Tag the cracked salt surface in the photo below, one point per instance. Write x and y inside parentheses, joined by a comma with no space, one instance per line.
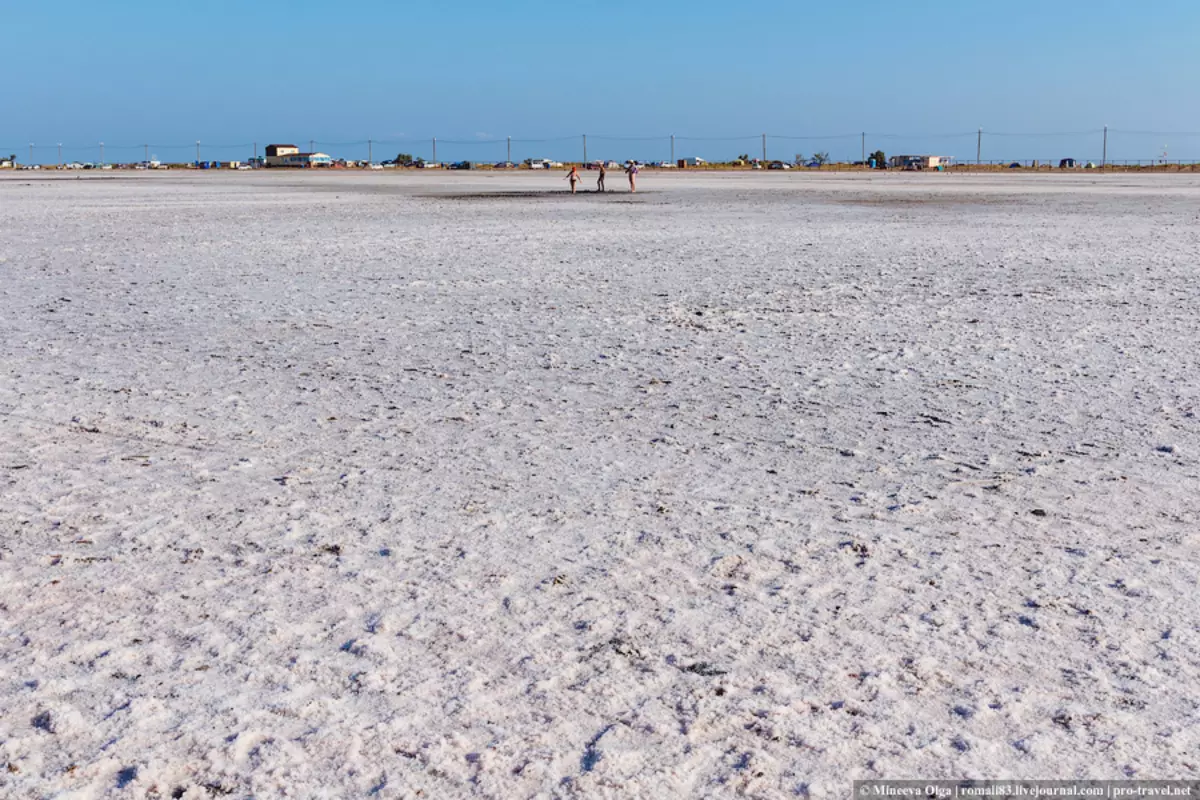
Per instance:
(750,486)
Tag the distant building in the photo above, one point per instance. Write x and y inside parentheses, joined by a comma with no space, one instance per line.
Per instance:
(919,162)
(288,155)
(278,150)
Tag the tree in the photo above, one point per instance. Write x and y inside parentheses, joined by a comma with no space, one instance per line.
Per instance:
(404,158)
(744,157)
(799,159)
(879,158)
(821,158)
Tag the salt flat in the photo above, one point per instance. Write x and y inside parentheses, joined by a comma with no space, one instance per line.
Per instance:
(347,485)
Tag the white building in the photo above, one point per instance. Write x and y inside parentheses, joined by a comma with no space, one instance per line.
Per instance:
(919,162)
(288,155)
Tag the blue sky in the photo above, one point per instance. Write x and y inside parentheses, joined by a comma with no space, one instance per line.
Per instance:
(129,72)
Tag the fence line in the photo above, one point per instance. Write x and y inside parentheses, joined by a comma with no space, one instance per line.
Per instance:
(855,147)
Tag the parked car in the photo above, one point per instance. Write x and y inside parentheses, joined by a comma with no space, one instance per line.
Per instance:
(1067,163)
(778,165)
(1015,165)
(461,165)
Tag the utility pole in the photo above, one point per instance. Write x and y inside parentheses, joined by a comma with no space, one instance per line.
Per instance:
(102,154)
(508,160)
(672,148)
(1104,158)
(197,151)
(312,146)
(31,154)
(978,146)
(60,154)
(585,148)
(370,152)
(435,149)
(256,151)
(764,147)
(146,147)
(864,147)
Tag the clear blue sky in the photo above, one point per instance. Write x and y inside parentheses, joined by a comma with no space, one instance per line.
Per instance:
(224,72)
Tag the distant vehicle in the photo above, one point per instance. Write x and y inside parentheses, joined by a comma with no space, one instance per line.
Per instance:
(374,166)
(1015,165)
(1067,163)
(779,165)
(244,166)
(756,165)
(461,165)
(813,165)
(504,165)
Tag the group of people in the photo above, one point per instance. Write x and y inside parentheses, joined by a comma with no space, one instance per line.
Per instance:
(631,169)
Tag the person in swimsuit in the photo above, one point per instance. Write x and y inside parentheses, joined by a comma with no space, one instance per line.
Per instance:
(573,177)
(632,171)
(600,180)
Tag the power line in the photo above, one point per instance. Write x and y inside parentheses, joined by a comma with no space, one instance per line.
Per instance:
(922,135)
(546,141)
(662,138)
(1057,133)
(751,137)
(1154,133)
(830,136)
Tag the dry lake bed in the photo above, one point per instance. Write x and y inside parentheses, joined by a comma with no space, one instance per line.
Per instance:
(747,485)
